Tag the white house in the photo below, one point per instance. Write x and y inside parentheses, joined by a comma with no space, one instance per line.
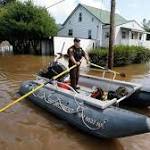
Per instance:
(92,23)
(128,33)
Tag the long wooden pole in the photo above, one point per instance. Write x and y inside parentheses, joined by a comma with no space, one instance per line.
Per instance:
(34,90)
(112,35)
(109,70)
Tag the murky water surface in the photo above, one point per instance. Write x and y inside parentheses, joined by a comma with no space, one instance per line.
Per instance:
(26,126)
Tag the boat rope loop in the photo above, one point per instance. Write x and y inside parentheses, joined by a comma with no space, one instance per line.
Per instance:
(56,101)
(52,99)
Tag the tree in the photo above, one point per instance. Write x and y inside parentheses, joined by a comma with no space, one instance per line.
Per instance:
(146,25)
(25,25)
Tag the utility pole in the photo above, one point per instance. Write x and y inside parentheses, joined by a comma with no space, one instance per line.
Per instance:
(112,35)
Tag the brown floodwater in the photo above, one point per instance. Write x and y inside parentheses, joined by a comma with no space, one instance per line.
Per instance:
(26,126)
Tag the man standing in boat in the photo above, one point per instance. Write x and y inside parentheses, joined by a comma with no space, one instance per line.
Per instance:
(76,53)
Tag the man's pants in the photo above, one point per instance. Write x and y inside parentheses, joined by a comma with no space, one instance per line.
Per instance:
(74,77)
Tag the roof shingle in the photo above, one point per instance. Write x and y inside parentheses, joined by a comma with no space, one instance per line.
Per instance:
(104,15)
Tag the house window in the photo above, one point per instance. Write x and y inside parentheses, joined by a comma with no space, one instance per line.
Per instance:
(123,35)
(148,37)
(70,32)
(93,45)
(89,34)
(140,36)
(132,35)
(92,19)
(80,17)
(106,35)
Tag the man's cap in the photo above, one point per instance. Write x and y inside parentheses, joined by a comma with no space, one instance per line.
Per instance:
(76,40)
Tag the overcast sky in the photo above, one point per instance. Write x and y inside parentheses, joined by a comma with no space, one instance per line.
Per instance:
(130,9)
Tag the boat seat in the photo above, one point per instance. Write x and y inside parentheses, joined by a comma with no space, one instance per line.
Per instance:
(102,104)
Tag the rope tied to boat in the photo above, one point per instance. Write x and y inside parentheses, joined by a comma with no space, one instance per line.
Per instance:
(48,99)
(58,102)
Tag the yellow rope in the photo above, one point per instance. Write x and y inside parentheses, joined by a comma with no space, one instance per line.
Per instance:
(32,91)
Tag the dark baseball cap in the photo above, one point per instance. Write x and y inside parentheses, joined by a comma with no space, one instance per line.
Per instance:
(76,40)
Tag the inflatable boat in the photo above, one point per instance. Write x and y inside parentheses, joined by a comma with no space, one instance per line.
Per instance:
(97,114)
(101,118)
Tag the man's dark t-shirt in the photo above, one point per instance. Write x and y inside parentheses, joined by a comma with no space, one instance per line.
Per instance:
(77,53)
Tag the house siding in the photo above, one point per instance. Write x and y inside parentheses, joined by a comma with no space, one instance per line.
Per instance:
(80,29)
(105,41)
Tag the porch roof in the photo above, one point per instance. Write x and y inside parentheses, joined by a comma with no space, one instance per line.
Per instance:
(134,30)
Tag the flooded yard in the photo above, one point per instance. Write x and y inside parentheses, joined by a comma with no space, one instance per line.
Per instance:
(26,126)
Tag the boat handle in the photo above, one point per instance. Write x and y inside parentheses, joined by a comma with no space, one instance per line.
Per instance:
(113,72)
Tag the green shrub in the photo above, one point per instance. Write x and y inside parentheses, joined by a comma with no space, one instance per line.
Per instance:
(123,55)
(98,56)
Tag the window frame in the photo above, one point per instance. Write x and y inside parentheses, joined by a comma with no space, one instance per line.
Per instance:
(70,31)
(123,34)
(107,34)
(89,34)
(140,36)
(147,37)
(80,17)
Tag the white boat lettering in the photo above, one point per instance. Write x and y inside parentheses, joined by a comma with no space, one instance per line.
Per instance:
(55,100)
(94,122)
(101,124)
(90,120)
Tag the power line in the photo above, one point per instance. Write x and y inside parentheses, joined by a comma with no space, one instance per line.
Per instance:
(55,4)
